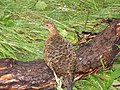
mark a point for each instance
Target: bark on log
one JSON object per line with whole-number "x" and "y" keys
{"x": 102, "y": 48}
{"x": 17, "y": 75}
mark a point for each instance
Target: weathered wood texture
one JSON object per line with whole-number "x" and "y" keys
{"x": 16, "y": 75}
{"x": 102, "y": 48}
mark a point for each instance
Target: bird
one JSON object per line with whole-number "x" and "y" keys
{"x": 59, "y": 55}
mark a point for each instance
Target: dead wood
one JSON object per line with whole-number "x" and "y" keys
{"x": 37, "y": 75}
{"x": 102, "y": 48}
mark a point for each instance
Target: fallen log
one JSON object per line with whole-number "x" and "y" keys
{"x": 102, "y": 48}
{"x": 17, "y": 75}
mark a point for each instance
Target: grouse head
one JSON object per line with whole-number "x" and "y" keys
{"x": 50, "y": 27}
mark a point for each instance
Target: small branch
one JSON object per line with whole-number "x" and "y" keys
{"x": 87, "y": 19}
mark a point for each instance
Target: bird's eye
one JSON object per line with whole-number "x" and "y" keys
{"x": 47, "y": 25}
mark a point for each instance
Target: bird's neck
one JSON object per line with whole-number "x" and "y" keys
{"x": 52, "y": 32}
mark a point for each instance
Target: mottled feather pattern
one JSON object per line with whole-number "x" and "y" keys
{"x": 61, "y": 53}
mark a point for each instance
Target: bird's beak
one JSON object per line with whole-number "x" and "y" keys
{"x": 42, "y": 27}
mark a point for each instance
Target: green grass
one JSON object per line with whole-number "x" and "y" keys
{"x": 22, "y": 37}
{"x": 101, "y": 81}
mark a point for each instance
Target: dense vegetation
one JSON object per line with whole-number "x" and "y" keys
{"x": 22, "y": 36}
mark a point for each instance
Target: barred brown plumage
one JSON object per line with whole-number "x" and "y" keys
{"x": 59, "y": 55}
